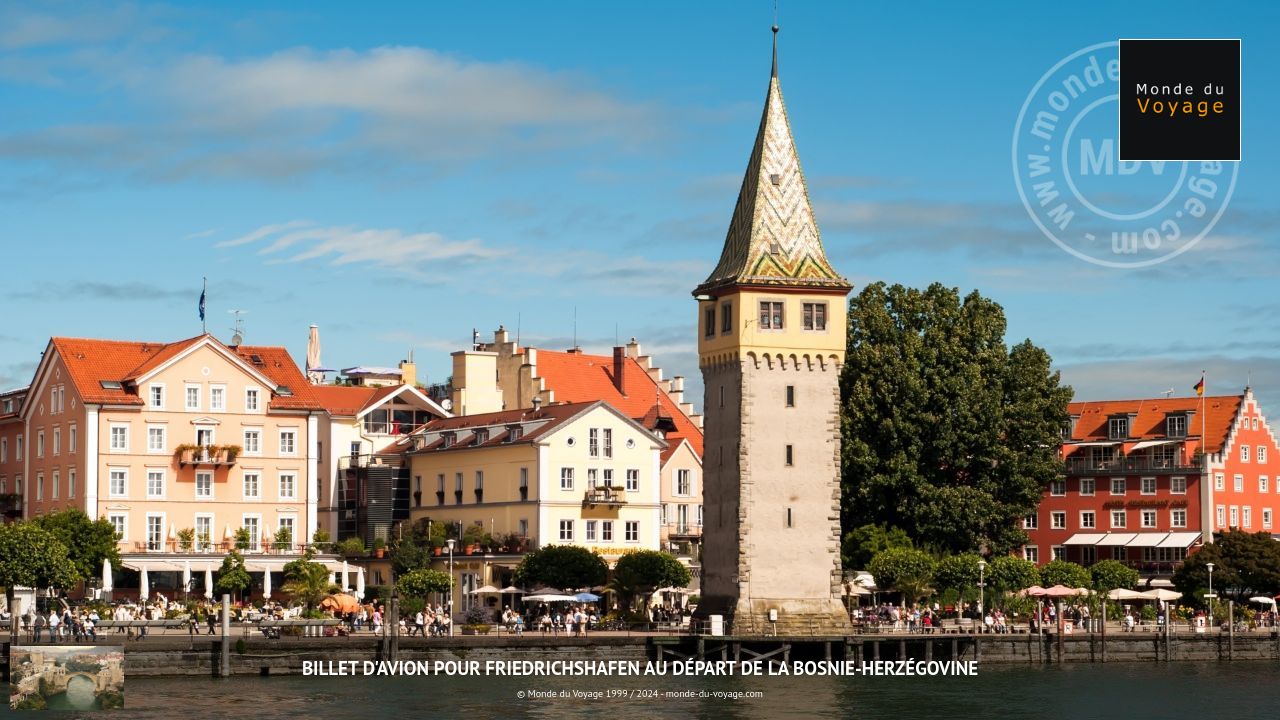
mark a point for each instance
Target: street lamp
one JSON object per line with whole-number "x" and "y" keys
{"x": 450, "y": 543}
{"x": 982, "y": 576}
{"x": 1210, "y": 595}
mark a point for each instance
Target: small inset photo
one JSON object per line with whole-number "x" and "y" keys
{"x": 66, "y": 677}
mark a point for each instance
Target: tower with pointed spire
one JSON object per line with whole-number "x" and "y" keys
{"x": 771, "y": 340}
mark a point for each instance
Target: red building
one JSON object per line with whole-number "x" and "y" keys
{"x": 1149, "y": 481}
{"x": 12, "y": 456}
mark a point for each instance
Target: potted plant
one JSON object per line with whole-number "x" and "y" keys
{"x": 350, "y": 546}
{"x": 186, "y": 453}
{"x": 204, "y": 541}
{"x": 231, "y": 452}
{"x": 320, "y": 540}
{"x": 186, "y": 538}
{"x": 437, "y": 537}
{"x": 379, "y": 547}
{"x": 284, "y": 539}
{"x": 476, "y": 620}
{"x": 243, "y": 538}
{"x": 473, "y": 538}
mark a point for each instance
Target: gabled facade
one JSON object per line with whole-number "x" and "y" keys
{"x": 1148, "y": 481}
{"x": 504, "y": 375}
{"x": 164, "y": 437}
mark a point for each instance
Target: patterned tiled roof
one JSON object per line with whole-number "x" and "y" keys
{"x": 773, "y": 238}
{"x": 578, "y": 377}
{"x": 344, "y": 400}
{"x": 546, "y": 419}
{"x": 1149, "y": 424}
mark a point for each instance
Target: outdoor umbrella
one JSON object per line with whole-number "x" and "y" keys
{"x": 548, "y": 591}
{"x": 106, "y": 575}
{"x": 510, "y": 590}
{"x": 586, "y": 597}
{"x": 346, "y": 581}
{"x": 266, "y": 584}
{"x": 360, "y": 584}
{"x": 1161, "y": 594}
{"x": 186, "y": 575}
{"x": 1059, "y": 591}
{"x": 1124, "y": 594}
{"x": 144, "y": 592}
{"x": 173, "y": 531}
{"x": 1263, "y": 599}
{"x": 486, "y": 590}
{"x": 208, "y": 581}
{"x": 551, "y": 597}
{"x": 1033, "y": 591}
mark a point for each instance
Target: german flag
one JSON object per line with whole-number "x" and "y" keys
{"x": 1199, "y": 387}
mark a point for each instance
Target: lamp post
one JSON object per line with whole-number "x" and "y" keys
{"x": 982, "y": 576}
{"x": 450, "y": 542}
{"x": 1210, "y": 595}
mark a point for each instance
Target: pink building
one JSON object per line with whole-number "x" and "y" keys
{"x": 161, "y": 438}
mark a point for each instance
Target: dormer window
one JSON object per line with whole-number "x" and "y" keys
{"x": 1175, "y": 426}
{"x": 514, "y": 433}
{"x": 1118, "y": 428}
{"x": 449, "y": 439}
{"x": 482, "y": 436}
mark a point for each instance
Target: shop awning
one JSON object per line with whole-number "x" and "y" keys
{"x": 1099, "y": 443}
{"x": 1180, "y": 540}
{"x": 1148, "y": 539}
{"x": 1117, "y": 538}
{"x": 1153, "y": 443}
{"x": 1084, "y": 539}
{"x": 198, "y": 563}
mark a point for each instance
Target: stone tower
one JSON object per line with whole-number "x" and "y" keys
{"x": 771, "y": 340}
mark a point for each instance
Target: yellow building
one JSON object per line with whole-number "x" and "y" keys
{"x": 572, "y": 474}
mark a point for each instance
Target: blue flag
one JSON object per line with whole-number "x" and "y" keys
{"x": 202, "y": 305}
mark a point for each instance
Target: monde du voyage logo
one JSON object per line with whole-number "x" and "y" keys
{"x": 1124, "y": 153}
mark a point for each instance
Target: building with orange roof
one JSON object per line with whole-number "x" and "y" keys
{"x": 505, "y": 375}
{"x": 12, "y": 441}
{"x": 1149, "y": 481}
{"x": 562, "y": 474}
{"x": 179, "y": 445}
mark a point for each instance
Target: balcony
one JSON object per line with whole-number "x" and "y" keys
{"x": 683, "y": 530}
{"x": 612, "y": 496}
{"x": 1131, "y": 465}
{"x": 211, "y": 456}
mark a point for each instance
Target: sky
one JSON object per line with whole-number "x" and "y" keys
{"x": 400, "y": 174}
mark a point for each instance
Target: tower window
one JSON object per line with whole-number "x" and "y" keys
{"x": 815, "y": 316}
{"x": 790, "y": 456}
{"x": 726, "y": 318}
{"x": 770, "y": 315}
{"x": 710, "y": 326}
{"x": 789, "y": 517}
{"x": 791, "y": 396}
{"x": 721, "y": 396}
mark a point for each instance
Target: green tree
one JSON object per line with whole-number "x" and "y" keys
{"x": 641, "y": 572}
{"x": 1008, "y": 573}
{"x": 863, "y": 543}
{"x": 31, "y": 556}
{"x": 1064, "y": 572}
{"x": 1111, "y": 574}
{"x": 232, "y": 577}
{"x": 947, "y": 432}
{"x": 1245, "y": 564}
{"x": 422, "y": 582}
{"x": 306, "y": 581}
{"x": 958, "y": 573}
{"x": 88, "y": 542}
{"x": 562, "y": 566}
{"x": 906, "y": 570}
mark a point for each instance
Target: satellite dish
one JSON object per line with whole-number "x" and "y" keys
{"x": 236, "y": 339}
{"x": 447, "y": 404}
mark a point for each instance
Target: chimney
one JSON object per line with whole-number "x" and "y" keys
{"x": 408, "y": 371}
{"x": 633, "y": 349}
{"x": 620, "y": 369}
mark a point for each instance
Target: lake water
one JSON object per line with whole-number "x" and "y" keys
{"x": 1240, "y": 691}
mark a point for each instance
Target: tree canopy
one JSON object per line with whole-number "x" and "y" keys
{"x": 422, "y": 582}
{"x": 1009, "y": 573}
{"x": 1111, "y": 574}
{"x": 862, "y": 544}
{"x": 1064, "y": 572}
{"x": 1245, "y": 564}
{"x": 906, "y": 570}
{"x": 88, "y": 542}
{"x": 232, "y": 577}
{"x": 307, "y": 581}
{"x": 562, "y": 566}
{"x": 31, "y": 556}
{"x": 959, "y": 573}
{"x": 948, "y": 433}
{"x": 643, "y": 571}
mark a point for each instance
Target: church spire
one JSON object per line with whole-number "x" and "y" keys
{"x": 773, "y": 238}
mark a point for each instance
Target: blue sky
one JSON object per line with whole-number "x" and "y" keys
{"x": 402, "y": 174}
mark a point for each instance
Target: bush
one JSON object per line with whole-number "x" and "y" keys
{"x": 476, "y": 615}
{"x": 350, "y": 546}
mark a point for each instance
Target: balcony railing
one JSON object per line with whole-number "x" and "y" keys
{"x": 606, "y": 496}
{"x": 196, "y": 458}
{"x": 686, "y": 529}
{"x": 1127, "y": 465}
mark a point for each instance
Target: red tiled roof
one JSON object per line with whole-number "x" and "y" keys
{"x": 89, "y": 362}
{"x": 578, "y": 377}
{"x": 343, "y": 399}
{"x": 1149, "y": 423}
{"x": 556, "y": 414}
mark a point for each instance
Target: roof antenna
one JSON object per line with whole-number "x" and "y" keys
{"x": 517, "y": 329}
{"x": 1168, "y": 393}
{"x": 238, "y": 338}
{"x": 575, "y": 327}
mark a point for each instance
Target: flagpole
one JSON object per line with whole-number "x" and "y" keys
{"x": 204, "y": 288}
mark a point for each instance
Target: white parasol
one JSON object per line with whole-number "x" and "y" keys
{"x": 144, "y": 591}
{"x": 346, "y": 581}
{"x": 208, "y": 581}
{"x": 266, "y": 584}
{"x": 106, "y": 575}
{"x": 186, "y": 575}
{"x": 360, "y": 584}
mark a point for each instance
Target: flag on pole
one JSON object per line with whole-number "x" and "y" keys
{"x": 1199, "y": 387}
{"x": 203, "y": 290}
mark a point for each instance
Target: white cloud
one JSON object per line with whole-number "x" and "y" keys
{"x": 300, "y": 240}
